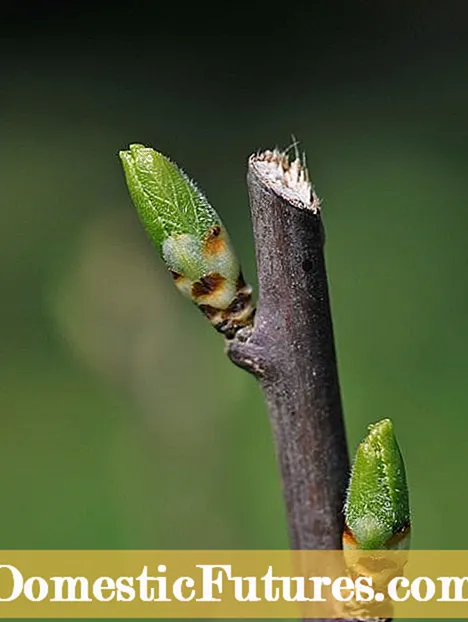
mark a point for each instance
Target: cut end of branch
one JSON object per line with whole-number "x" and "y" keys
{"x": 289, "y": 179}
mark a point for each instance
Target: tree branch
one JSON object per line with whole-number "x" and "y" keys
{"x": 292, "y": 350}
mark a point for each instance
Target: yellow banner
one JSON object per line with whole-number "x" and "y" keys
{"x": 233, "y": 584}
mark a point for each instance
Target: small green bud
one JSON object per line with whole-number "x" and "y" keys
{"x": 377, "y": 506}
{"x": 190, "y": 236}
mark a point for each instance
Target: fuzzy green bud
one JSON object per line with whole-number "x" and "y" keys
{"x": 190, "y": 237}
{"x": 377, "y": 506}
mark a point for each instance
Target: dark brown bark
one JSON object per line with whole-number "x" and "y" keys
{"x": 291, "y": 351}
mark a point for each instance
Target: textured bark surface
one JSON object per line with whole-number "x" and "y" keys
{"x": 291, "y": 351}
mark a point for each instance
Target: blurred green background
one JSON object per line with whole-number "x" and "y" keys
{"x": 123, "y": 424}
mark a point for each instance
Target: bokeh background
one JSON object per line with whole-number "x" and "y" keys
{"x": 123, "y": 425}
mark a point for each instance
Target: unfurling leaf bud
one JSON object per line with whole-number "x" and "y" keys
{"x": 190, "y": 237}
{"x": 377, "y": 506}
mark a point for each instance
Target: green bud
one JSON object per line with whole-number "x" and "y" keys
{"x": 190, "y": 237}
{"x": 377, "y": 506}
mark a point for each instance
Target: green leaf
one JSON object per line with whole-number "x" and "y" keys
{"x": 377, "y": 506}
{"x": 167, "y": 201}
